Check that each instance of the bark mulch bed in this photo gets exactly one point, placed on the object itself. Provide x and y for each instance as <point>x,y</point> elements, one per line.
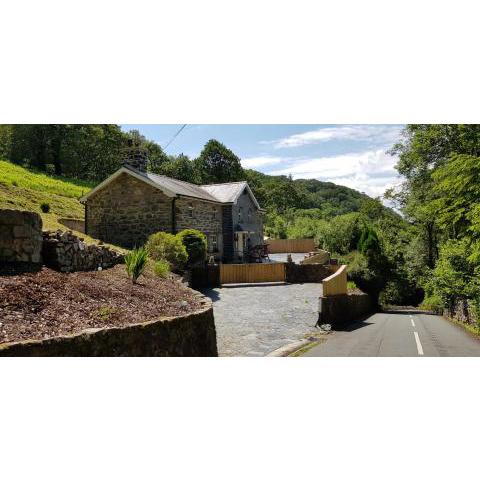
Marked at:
<point>47,303</point>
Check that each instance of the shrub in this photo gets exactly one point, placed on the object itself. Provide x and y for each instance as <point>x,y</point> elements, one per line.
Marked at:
<point>196,244</point>
<point>368,241</point>
<point>161,268</point>
<point>135,263</point>
<point>340,234</point>
<point>351,285</point>
<point>105,313</point>
<point>400,290</point>
<point>370,272</point>
<point>454,276</point>
<point>45,207</point>
<point>168,247</point>
<point>433,303</point>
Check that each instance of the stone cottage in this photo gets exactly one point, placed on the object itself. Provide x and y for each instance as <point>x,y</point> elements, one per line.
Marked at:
<point>132,203</point>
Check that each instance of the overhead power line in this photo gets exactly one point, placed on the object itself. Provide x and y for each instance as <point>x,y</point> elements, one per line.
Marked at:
<point>175,136</point>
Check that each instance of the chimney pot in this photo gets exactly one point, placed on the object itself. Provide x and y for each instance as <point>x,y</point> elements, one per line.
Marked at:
<point>135,156</point>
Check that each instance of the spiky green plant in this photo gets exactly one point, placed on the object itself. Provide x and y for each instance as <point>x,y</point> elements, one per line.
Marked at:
<point>135,263</point>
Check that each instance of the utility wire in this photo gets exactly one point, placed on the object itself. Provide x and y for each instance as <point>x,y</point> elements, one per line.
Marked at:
<point>175,136</point>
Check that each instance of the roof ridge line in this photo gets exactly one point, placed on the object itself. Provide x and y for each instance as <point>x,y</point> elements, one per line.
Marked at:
<point>224,183</point>
<point>174,179</point>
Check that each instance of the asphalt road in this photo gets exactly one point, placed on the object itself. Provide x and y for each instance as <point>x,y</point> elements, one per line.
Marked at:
<point>399,334</point>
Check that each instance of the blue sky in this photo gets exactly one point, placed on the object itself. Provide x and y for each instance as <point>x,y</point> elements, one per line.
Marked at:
<point>351,155</point>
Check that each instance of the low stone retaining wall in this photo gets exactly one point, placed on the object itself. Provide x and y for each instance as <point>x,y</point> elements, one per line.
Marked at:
<point>191,335</point>
<point>306,273</point>
<point>65,252</point>
<point>20,237</point>
<point>73,224</point>
<point>339,310</point>
<point>463,311</point>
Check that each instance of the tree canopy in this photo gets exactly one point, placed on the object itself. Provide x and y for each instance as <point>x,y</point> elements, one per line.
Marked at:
<point>218,164</point>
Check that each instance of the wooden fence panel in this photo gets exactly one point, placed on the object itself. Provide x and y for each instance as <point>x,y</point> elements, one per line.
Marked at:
<point>252,273</point>
<point>291,245</point>
<point>336,284</point>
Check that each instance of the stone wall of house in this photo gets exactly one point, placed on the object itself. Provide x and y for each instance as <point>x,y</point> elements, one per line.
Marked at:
<point>203,216</point>
<point>20,237</point>
<point>191,335</point>
<point>65,252</point>
<point>127,211</point>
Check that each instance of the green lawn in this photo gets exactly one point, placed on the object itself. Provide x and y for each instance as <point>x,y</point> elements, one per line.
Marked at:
<point>22,189</point>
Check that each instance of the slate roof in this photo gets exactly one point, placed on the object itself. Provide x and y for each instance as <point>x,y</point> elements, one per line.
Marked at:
<point>181,188</point>
<point>225,192</point>
<point>217,193</point>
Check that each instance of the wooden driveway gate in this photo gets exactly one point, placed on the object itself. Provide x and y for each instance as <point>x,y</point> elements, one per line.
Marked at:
<point>252,273</point>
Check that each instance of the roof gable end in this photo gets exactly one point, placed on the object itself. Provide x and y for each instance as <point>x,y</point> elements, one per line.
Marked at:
<point>131,172</point>
<point>230,192</point>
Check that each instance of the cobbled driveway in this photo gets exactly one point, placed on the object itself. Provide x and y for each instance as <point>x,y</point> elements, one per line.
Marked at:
<point>255,320</point>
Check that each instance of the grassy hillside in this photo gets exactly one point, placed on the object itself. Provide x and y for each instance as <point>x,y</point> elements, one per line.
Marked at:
<point>22,189</point>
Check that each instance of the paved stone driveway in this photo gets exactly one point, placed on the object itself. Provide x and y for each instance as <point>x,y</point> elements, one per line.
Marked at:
<point>255,320</point>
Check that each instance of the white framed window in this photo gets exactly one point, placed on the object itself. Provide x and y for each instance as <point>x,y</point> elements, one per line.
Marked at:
<point>190,210</point>
<point>240,214</point>
<point>214,213</point>
<point>213,243</point>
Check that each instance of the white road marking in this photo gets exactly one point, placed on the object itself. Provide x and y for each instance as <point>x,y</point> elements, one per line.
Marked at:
<point>413,323</point>
<point>419,345</point>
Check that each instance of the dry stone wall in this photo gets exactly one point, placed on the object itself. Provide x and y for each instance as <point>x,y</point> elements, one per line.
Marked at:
<point>464,311</point>
<point>65,252</point>
<point>73,224</point>
<point>20,237</point>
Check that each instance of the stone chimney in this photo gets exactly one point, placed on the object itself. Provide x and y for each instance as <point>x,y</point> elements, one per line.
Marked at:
<point>135,156</point>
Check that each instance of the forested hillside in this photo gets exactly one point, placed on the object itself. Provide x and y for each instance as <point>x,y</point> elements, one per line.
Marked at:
<point>430,252</point>
<point>92,152</point>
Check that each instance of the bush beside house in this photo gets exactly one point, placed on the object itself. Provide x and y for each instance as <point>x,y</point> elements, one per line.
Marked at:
<point>167,247</point>
<point>196,244</point>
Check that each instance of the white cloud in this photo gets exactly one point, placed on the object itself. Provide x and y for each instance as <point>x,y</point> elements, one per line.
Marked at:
<point>371,171</point>
<point>379,133</point>
<point>261,161</point>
